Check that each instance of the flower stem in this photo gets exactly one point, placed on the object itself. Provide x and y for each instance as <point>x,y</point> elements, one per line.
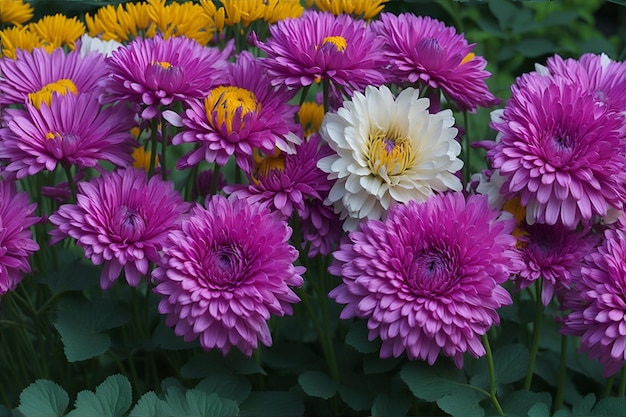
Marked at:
<point>535,340</point>
<point>326,93</point>
<point>70,180</point>
<point>492,376</point>
<point>622,383</point>
<point>153,149</point>
<point>608,387</point>
<point>558,401</point>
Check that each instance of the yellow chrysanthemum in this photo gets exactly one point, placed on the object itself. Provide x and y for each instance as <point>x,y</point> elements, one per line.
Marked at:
<point>366,9</point>
<point>121,23</point>
<point>282,9</point>
<point>58,30</point>
<point>15,12</point>
<point>270,11</point>
<point>141,158</point>
<point>180,19</point>
<point>20,37</point>
<point>216,17</point>
<point>310,117</point>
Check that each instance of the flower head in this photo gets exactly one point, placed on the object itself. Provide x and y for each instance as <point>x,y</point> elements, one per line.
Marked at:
<point>241,115</point>
<point>59,30</point>
<point>428,278</point>
<point>426,52</point>
<point>319,46</point>
<point>156,72</point>
<point>15,12</point>
<point>562,154</point>
<point>16,239</point>
<point>121,220</point>
<point>364,9</point>
<point>388,150</point>
<point>225,271</point>
<point>73,130</point>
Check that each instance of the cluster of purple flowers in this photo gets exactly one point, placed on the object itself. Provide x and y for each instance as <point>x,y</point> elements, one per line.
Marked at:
<point>424,263</point>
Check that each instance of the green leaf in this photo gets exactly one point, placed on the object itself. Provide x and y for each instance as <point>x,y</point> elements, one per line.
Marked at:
<point>76,275</point>
<point>356,391</point>
<point>111,399</point>
<point>609,407</point>
<point>503,10</point>
<point>433,382</point>
<point>520,402</point>
<point>43,398</point>
<point>80,323</point>
<point>272,403</point>
<point>584,406</point>
<point>462,404</point>
<point>559,18</point>
<point>4,412</point>
<point>510,363</point>
<point>357,337</point>
<point>391,405</point>
<point>164,338</point>
<point>150,405</point>
<point>226,386</point>
<point>317,384</point>
<point>539,410</point>
<point>202,405</point>
<point>373,364</point>
<point>534,47</point>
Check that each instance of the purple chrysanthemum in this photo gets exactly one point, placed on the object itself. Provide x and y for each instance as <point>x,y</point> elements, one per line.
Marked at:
<point>427,279</point>
<point>225,271</point>
<point>74,130</point>
<point>40,73</point>
<point>155,72</point>
<point>599,303</point>
<point>121,220</point>
<point>320,46</point>
<point>554,253</point>
<point>424,51</point>
<point>16,239</point>
<point>235,118</point>
<point>561,153</point>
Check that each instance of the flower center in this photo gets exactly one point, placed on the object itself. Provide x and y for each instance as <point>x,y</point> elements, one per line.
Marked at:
<point>430,273</point>
<point>44,95</point>
<point>163,64</point>
<point>264,164</point>
<point>226,266</point>
<point>389,155</point>
<point>226,103</point>
<point>129,223</point>
<point>339,42</point>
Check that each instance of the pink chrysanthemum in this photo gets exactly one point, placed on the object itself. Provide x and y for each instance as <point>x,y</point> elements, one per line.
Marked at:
<point>554,253</point>
<point>428,278</point>
<point>16,239</point>
<point>156,72</point>
<point>598,309</point>
<point>225,271</point>
<point>39,73</point>
<point>121,220</point>
<point>235,118</point>
<point>424,51</point>
<point>320,46</point>
<point>561,153</point>
<point>286,182</point>
<point>74,130</point>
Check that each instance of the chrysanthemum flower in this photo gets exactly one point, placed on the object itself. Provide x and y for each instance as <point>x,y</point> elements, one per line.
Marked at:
<point>363,9</point>
<point>89,44</point>
<point>428,278</point>
<point>156,72</point>
<point>427,53</point>
<point>16,239</point>
<point>73,130</point>
<point>15,12</point>
<point>562,154</point>
<point>59,30</point>
<point>388,150</point>
<point>180,19</point>
<point>20,37</point>
<point>236,117</point>
<point>121,220</point>
<point>598,311</point>
<point>225,271</point>
<point>319,46</point>
<point>122,23</point>
<point>247,11</point>
<point>36,76</point>
<point>310,117</point>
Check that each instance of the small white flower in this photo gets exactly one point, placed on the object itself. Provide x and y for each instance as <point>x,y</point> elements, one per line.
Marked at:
<point>90,44</point>
<point>388,150</point>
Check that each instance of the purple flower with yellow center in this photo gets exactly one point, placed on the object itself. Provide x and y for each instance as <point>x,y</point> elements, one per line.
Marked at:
<point>121,220</point>
<point>561,153</point>
<point>155,72</point>
<point>236,118</point>
<point>428,279</point>
<point>598,302</point>
<point>225,271</point>
<point>320,46</point>
<point>427,53</point>
<point>73,130</point>
<point>35,77</point>
<point>16,239</point>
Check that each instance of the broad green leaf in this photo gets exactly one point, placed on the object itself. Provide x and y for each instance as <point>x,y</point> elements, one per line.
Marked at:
<point>356,391</point>
<point>503,10</point>
<point>539,410</point>
<point>611,407</point>
<point>4,412</point>
<point>201,404</point>
<point>373,364</point>
<point>317,384</point>
<point>584,406</point>
<point>391,405</point>
<point>272,403</point>
<point>432,382</point>
<point>510,363</point>
<point>43,398</point>
<point>357,337</point>
<point>150,405</point>
<point>111,399</point>
<point>226,386</point>
<point>535,47</point>
<point>462,404</point>
<point>520,402</point>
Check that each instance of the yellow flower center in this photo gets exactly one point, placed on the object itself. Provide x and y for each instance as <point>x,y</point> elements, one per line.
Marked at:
<point>264,164</point>
<point>338,41</point>
<point>310,117</point>
<point>55,135</point>
<point>163,64</point>
<point>389,155</point>
<point>44,95</point>
<point>468,58</point>
<point>224,102</point>
<point>141,158</point>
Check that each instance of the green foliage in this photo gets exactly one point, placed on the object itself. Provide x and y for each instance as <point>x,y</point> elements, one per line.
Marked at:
<point>43,398</point>
<point>112,398</point>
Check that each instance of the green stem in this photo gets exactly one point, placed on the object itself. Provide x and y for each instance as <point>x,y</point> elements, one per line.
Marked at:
<point>492,376</point>
<point>216,174</point>
<point>70,179</point>
<point>153,149</point>
<point>326,94</point>
<point>560,390</point>
<point>190,183</point>
<point>535,340</point>
<point>608,387</point>
<point>622,383</point>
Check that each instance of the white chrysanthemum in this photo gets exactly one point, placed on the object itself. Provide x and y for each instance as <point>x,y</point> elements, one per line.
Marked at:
<point>388,150</point>
<point>90,44</point>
